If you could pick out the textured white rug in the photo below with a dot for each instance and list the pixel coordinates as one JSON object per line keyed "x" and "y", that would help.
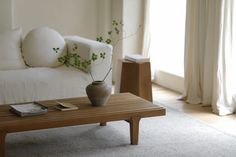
{"x": 176, "y": 134}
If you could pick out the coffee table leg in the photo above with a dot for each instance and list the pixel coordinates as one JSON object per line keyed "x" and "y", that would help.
{"x": 2, "y": 144}
{"x": 103, "y": 123}
{"x": 134, "y": 130}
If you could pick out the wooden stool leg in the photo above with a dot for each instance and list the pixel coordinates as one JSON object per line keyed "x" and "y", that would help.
{"x": 134, "y": 130}
{"x": 103, "y": 123}
{"x": 2, "y": 144}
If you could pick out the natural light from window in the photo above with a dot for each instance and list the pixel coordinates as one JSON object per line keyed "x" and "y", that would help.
{"x": 167, "y": 27}
{"x": 233, "y": 82}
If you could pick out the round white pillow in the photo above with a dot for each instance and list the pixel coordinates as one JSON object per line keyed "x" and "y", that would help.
{"x": 37, "y": 47}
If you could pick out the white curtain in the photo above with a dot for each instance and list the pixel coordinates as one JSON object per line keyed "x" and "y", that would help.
{"x": 146, "y": 28}
{"x": 208, "y": 54}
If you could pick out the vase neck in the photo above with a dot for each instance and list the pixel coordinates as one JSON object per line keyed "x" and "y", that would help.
{"x": 97, "y": 82}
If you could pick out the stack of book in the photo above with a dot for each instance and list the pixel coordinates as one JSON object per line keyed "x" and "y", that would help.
{"x": 65, "y": 106}
{"x": 137, "y": 58}
{"x": 28, "y": 109}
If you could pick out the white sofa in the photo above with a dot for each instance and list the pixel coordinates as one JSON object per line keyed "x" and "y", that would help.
{"x": 27, "y": 84}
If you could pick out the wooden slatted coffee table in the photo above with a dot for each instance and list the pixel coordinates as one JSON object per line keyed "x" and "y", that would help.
{"x": 123, "y": 106}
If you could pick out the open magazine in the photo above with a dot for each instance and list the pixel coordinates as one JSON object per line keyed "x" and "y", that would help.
{"x": 28, "y": 109}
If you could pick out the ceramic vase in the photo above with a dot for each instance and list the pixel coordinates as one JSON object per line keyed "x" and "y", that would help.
{"x": 98, "y": 93}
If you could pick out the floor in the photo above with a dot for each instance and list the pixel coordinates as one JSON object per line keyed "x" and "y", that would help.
{"x": 170, "y": 98}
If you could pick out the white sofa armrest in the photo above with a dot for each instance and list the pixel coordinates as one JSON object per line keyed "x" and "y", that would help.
{"x": 86, "y": 48}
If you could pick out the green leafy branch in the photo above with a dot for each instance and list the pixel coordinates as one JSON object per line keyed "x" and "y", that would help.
{"x": 72, "y": 59}
{"x": 116, "y": 27}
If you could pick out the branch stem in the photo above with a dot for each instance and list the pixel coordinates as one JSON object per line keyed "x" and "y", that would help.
{"x": 107, "y": 74}
{"x": 91, "y": 75}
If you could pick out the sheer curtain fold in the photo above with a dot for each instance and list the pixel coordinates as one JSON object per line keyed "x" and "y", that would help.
{"x": 223, "y": 102}
{"x": 194, "y": 51}
{"x": 146, "y": 29}
{"x": 208, "y": 54}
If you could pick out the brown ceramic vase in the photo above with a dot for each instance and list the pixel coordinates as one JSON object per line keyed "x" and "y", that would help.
{"x": 98, "y": 93}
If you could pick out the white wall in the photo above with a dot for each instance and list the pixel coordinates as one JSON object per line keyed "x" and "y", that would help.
{"x": 133, "y": 17}
{"x": 69, "y": 17}
{"x": 5, "y": 15}
{"x": 87, "y": 18}
{"x": 104, "y": 16}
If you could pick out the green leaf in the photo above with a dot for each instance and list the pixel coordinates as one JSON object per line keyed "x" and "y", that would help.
{"x": 77, "y": 62}
{"x": 117, "y": 30}
{"x": 94, "y": 57}
{"x": 100, "y": 39}
{"x": 61, "y": 59}
{"x": 70, "y": 55}
{"x": 108, "y": 41}
{"x": 75, "y": 47}
{"x": 103, "y": 55}
{"x": 113, "y": 22}
{"x": 66, "y": 63}
{"x": 89, "y": 62}
{"x": 84, "y": 65}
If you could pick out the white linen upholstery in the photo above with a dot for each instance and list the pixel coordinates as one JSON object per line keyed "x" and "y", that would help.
{"x": 10, "y": 53}
{"x": 45, "y": 83}
{"x": 33, "y": 84}
{"x": 37, "y": 47}
{"x": 100, "y": 67}
{"x": 80, "y": 48}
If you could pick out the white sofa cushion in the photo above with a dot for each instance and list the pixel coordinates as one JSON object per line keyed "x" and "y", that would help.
{"x": 100, "y": 67}
{"x": 37, "y": 47}
{"x": 35, "y": 84}
{"x": 10, "y": 52}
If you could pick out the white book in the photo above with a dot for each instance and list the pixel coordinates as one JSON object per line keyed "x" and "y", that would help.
{"x": 28, "y": 109}
{"x": 137, "y": 58}
{"x": 65, "y": 106}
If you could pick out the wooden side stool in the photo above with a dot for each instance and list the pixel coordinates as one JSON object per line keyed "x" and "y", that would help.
{"x": 136, "y": 79}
